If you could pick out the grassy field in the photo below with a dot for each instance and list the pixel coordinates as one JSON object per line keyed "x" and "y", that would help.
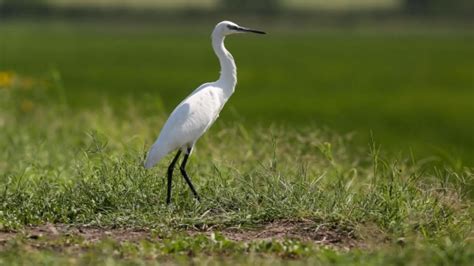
{"x": 82, "y": 103}
{"x": 413, "y": 91}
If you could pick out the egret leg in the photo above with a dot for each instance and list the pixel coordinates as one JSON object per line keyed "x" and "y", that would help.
{"x": 170, "y": 176}
{"x": 185, "y": 175}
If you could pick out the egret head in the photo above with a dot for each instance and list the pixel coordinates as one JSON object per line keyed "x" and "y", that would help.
{"x": 225, "y": 28}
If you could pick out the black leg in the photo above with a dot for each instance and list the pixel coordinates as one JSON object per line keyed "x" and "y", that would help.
{"x": 185, "y": 175}
{"x": 170, "y": 176}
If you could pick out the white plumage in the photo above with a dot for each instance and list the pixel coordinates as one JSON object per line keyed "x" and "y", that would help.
{"x": 189, "y": 120}
{"x": 195, "y": 114}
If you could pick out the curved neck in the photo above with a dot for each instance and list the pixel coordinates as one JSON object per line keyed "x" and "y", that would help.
{"x": 228, "y": 75}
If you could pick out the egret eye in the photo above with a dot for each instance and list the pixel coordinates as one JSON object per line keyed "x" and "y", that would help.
{"x": 243, "y": 29}
{"x": 232, "y": 27}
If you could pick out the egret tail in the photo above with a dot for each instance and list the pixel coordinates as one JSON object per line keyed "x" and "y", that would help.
{"x": 155, "y": 155}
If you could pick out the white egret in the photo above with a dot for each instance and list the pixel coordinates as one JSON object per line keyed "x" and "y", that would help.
{"x": 195, "y": 114}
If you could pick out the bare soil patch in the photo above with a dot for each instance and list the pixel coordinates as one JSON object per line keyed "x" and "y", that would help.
{"x": 90, "y": 234}
{"x": 302, "y": 230}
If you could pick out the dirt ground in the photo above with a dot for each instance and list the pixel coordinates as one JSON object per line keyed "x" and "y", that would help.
{"x": 307, "y": 231}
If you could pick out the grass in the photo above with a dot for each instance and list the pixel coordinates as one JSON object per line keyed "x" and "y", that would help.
{"x": 227, "y": 252}
{"x": 390, "y": 183}
{"x": 83, "y": 167}
{"x": 411, "y": 91}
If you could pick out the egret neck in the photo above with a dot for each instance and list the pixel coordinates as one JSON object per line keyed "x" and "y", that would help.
{"x": 228, "y": 75}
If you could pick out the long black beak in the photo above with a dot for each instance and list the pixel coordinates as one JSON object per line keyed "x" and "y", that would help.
{"x": 250, "y": 30}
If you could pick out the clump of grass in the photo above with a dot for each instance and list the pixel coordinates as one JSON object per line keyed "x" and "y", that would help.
{"x": 62, "y": 165}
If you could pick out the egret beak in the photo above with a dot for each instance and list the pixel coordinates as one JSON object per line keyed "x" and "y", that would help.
{"x": 250, "y": 30}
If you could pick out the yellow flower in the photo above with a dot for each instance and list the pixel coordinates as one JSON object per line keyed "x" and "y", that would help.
{"x": 26, "y": 106}
{"x": 26, "y": 83}
{"x": 6, "y": 79}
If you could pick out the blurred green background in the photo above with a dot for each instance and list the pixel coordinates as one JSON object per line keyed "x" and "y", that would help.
{"x": 398, "y": 70}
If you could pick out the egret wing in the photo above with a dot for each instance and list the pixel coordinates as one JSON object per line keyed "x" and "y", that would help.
{"x": 188, "y": 121}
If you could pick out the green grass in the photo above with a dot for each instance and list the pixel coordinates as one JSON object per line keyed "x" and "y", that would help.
{"x": 84, "y": 167}
{"x": 86, "y": 103}
{"x": 225, "y": 252}
{"x": 412, "y": 91}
